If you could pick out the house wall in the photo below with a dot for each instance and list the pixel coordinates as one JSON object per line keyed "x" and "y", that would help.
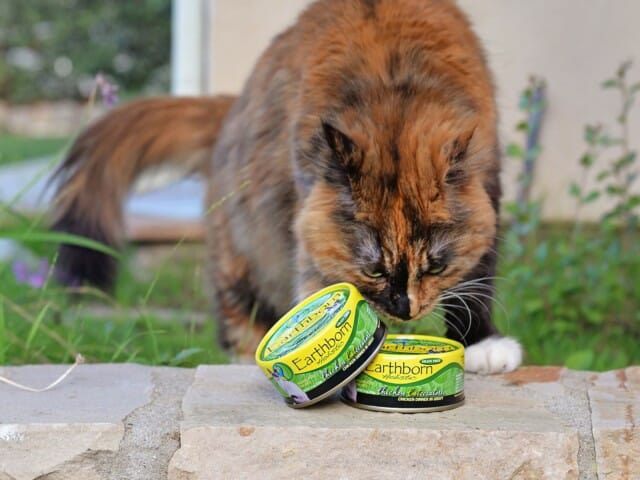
{"x": 573, "y": 44}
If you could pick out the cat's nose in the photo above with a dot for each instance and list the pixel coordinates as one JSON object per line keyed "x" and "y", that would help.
{"x": 401, "y": 307}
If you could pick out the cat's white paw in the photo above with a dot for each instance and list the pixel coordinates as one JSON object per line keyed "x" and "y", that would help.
{"x": 493, "y": 355}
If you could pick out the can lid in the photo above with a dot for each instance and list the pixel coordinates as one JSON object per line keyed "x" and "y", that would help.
{"x": 304, "y": 322}
{"x": 407, "y": 344}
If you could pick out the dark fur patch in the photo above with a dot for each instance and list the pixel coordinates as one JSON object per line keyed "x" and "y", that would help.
{"x": 242, "y": 294}
{"x": 343, "y": 166}
{"x": 394, "y": 63}
{"x": 78, "y": 265}
{"x": 399, "y": 279}
{"x": 456, "y": 177}
{"x": 458, "y": 151}
{"x": 494, "y": 190}
{"x": 419, "y": 229}
{"x": 393, "y": 298}
{"x": 352, "y": 94}
{"x": 395, "y": 153}
{"x": 407, "y": 89}
{"x": 369, "y": 9}
{"x": 390, "y": 182}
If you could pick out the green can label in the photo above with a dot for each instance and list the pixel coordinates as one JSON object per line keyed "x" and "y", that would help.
{"x": 320, "y": 344}
{"x": 411, "y": 372}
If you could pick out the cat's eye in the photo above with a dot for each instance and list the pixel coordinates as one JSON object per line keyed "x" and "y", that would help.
{"x": 436, "y": 269}
{"x": 373, "y": 273}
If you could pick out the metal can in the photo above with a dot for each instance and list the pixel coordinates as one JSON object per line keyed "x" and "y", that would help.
{"x": 411, "y": 373}
{"x": 320, "y": 345}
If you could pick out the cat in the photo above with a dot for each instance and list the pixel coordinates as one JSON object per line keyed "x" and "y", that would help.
{"x": 362, "y": 148}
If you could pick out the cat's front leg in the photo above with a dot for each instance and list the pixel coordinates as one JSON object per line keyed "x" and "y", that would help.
{"x": 468, "y": 308}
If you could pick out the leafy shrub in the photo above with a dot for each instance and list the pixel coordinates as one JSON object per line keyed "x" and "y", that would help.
{"x": 570, "y": 291}
{"x": 51, "y": 49}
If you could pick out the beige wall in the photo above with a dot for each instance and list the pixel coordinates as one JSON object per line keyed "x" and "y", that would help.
{"x": 573, "y": 44}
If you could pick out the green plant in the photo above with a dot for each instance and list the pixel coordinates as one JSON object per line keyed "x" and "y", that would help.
{"x": 618, "y": 174}
{"x": 571, "y": 290}
{"x": 48, "y": 53}
{"x": 524, "y": 211}
{"x": 15, "y": 148}
{"x": 158, "y": 319}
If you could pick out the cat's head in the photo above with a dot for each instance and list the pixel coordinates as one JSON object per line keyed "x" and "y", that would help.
{"x": 403, "y": 213}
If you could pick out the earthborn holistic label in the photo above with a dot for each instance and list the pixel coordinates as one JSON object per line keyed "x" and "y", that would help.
{"x": 320, "y": 345}
{"x": 411, "y": 373}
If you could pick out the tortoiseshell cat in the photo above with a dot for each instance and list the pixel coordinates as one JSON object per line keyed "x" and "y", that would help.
{"x": 363, "y": 148}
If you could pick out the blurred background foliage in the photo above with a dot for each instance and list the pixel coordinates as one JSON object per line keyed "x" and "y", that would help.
{"x": 569, "y": 291}
{"x": 53, "y": 49}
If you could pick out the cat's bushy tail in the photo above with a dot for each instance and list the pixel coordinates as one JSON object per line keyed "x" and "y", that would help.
{"x": 106, "y": 159}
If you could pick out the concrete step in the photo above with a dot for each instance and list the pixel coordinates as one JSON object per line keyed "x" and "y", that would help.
{"x": 226, "y": 421}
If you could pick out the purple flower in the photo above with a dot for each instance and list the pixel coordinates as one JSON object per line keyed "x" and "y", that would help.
{"x": 34, "y": 277}
{"x": 108, "y": 91}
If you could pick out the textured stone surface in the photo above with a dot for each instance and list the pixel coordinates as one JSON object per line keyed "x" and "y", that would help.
{"x": 40, "y": 432}
{"x": 615, "y": 405}
{"x": 102, "y": 422}
{"x": 91, "y": 394}
{"x": 134, "y": 422}
{"x": 245, "y": 430}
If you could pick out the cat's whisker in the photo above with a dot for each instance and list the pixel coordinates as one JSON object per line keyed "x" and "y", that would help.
{"x": 470, "y": 316}
{"x": 476, "y": 298}
{"x": 497, "y": 253}
{"x": 492, "y": 298}
{"x": 479, "y": 294}
{"x": 454, "y": 326}
{"x": 451, "y": 305}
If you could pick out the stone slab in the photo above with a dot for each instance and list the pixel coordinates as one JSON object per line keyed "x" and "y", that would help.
{"x": 34, "y": 450}
{"x": 236, "y": 426}
{"x": 615, "y": 405}
{"x": 82, "y": 416}
{"x": 136, "y": 422}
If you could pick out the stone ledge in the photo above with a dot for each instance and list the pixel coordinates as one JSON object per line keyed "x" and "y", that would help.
{"x": 130, "y": 421}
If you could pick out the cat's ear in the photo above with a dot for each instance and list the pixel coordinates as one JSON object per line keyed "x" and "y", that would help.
{"x": 346, "y": 155}
{"x": 340, "y": 143}
{"x": 457, "y": 150}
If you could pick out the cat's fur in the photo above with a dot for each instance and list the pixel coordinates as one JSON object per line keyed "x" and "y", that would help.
{"x": 363, "y": 148}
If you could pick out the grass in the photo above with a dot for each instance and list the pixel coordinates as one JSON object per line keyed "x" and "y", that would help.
{"x": 157, "y": 325}
{"x": 14, "y": 148}
{"x": 52, "y": 324}
{"x": 157, "y": 315}
{"x": 572, "y": 297}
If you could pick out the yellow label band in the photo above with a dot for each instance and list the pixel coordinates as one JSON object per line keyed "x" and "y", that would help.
{"x": 411, "y": 373}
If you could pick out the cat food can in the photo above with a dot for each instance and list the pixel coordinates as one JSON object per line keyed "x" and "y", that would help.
{"x": 320, "y": 345}
{"x": 410, "y": 374}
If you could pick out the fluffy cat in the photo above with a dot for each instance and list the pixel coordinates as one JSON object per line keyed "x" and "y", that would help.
{"x": 363, "y": 148}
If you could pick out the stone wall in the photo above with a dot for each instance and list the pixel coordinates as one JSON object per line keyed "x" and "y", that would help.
{"x": 47, "y": 119}
{"x": 218, "y": 422}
